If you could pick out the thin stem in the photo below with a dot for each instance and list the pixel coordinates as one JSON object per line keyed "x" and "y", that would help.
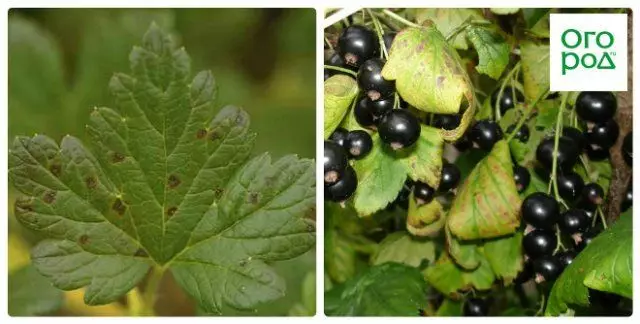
{"x": 509, "y": 77}
{"x": 526, "y": 114}
{"x": 135, "y": 303}
{"x": 150, "y": 290}
{"x": 602, "y": 218}
{"x": 337, "y": 68}
{"x": 464, "y": 26}
{"x": 556, "y": 141}
{"x": 559, "y": 246}
{"x": 396, "y": 100}
{"x": 399, "y": 19}
{"x": 542, "y": 304}
{"x": 380, "y": 32}
{"x": 385, "y": 20}
{"x": 326, "y": 40}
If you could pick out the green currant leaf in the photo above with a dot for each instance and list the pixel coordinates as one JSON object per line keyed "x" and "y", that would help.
{"x": 537, "y": 20}
{"x": 487, "y": 204}
{"x": 505, "y": 256}
{"x": 389, "y": 289}
{"x": 32, "y": 294}
{"x": 493, "y": 50}
{"x": 535, "y": 68}
{"x": 421, "y": 160}
{"x": 340, "y": 256}
{"x": 450, "y": 279}
{"x": 504, "y": 11}
{"x": 423, "y": 54}
{"x": 339, "y": 92}
{"x": 604, "y": 265}
{"x": 167, "y": 185}
{"x": 448, "y": 19}
{"x": 421, "y": 216}
{"x": 307, "y": 307}
{"x": 464, "y": 253}
{"x": 450, "y": 307}
{"x": 403, "y": 248}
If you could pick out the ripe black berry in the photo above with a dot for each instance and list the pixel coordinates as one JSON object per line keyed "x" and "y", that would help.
{"x": 449, "y": 177}
{"x": 593, "y": 193}
{"x": 526, "y": 274}
{"x": 570, "y": 185}
{"x": 357, "y": 44}
{"x": 423, "y": 193}
{"x": 539, "y": 242}
{"x": 566, "y": 257}
{"x": 573, "y": 221}
{"x": 475, "y": 307}
{"x": 576, "y": 135}
{"x": 603, "y": 134}
{"x": 596, "y": 106}
{"x": 540, "y": 210}
{"x": 587, "y": 238}
{"x": 522, "y": 134}
{"x": 381, "y": 107}
{"x": 358, "y": 144}
{"x": 627, "y": 200}
{"x": 363, "y": 114}
{"x": 510, "y": 97}
{"x": 463, "y": 143}
{"x": 522, "y": 177}
{"x": 399, "y": 128}
{"x": 370, "y": 80}
{"x": 344, "y": 188}
{"x": 567, "y": 153}
{"x": 335, "y": 162}
{"x": 388, "y": 38}
{"x": 485, "y": 133}
{"x": 627, "y": 149}
{"x": 448, "y": 122}
{"x": 339, "y": 136}
{"x": 547, "y": 268}
{"x": 597, "y": 153}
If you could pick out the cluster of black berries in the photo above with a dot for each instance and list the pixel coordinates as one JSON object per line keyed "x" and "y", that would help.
{"x": 340, "y": 180}
{"x": 358, "y": 48}
{"x": 422, "y": 192}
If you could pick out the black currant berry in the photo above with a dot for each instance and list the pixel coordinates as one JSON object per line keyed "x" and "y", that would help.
{"x": 526, "y": 274}
{"x": 362, "y": 113}
{"x": 567, "y": 153}
{"x": 448, "y": 122}
{"x": 335, "y": 162}
{"x": 335, "y": 60}
{"x": 463, "y": 143}
{"x": 593, "y": 193}
{"x": 547, "y": 268}
{"x": 566, "y": 257}
{"x": 603, "y": 134}
{"x": 449, "y": 177}
{"x": 596, "y": 106}
{"x": 587, "y": 238}
{"x": 522, "y": 134}
{"x": 576, "y": 135}
{"x": 597, "y": 153}
{"x": 485, "y": 133}
{"x": 423, "y": 193}
{"x": 570, "y": 185}
{"x": 573, "y": 221}
{"x": 475, "y": 307}
{"x": 358, "y": 144}
{"x": 327, "y": 74}
{"x": 510, "y": 97}
{"x": 370, "y": 80}
{"x": 627, "y": 200}
{"x": 540, "y": 210}
{"x": 399, "y": 128}
{"x": 381, "y": 107}
{"x": 627, "y": 149}
{"x": 339, "y": 136}
{"x": 522, "y": 177}
{"x": 388, "y": 38}
{"x": 344, "y": 188}
{"x": 357, "y": 44}
{"x": 539, "y": 242}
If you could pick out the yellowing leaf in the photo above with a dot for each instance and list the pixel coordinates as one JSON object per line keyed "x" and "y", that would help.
{"x": 535, "y": 69}
{"x": 448, "y": 19}
{"x": 339, "y": 92}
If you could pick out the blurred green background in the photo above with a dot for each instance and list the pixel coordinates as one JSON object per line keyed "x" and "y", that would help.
{"x": 60, "y": 62}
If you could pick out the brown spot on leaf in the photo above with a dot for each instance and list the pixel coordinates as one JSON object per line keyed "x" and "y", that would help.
{"x": 439, "y": 81}
{"x": 23, "y": 204}
{"x": 173, "y": 181}
{"x": 171, "y": 211}
{"x": 311, "y": 213}
{"x": 215, "y": 135}
{"x": 253, "y": 198}
{"x": 218, "y": 192}
{"x": 141, "y": 253}
{"x": 119, "y": 207}
{"x": 201, "y": 133}
{"x": 117, "y": 157}
{"x": 84, "y": 239}
{"x": 49, "y": 197}
{"x": 91, "y": 182}
{"x": 56, "y": 169}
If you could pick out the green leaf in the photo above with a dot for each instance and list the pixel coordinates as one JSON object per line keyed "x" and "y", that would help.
{"x": 32, "y": 294}
{"x": 533, "y": 15}
{"x": 547, "y": 114}
{"x": 493, "y": 50}
{"x": 487, "y": 204}
{"x": 340, "y": 256}
{"x": 604, "y": 265}
{"x": 535, "y": 69}
{"x": 505, "y": 256}
{"x": 417, "y": 227}
{"x": 389, "y": 289}
{"x": 307, "y": 307}
{"x": 339, "y": 92}
{"x": 450, "y": 307}
{"x": 429, "y": 75}
{"x": 419, "y": 160}
{"x": 165, "y": 184}
{"x": 504, "y": 11}
{"x": 448, "y": 19}
{"x": 464, "y": 253}
{"x": 403, "y": 248}
{"x": 450, "y": 279}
